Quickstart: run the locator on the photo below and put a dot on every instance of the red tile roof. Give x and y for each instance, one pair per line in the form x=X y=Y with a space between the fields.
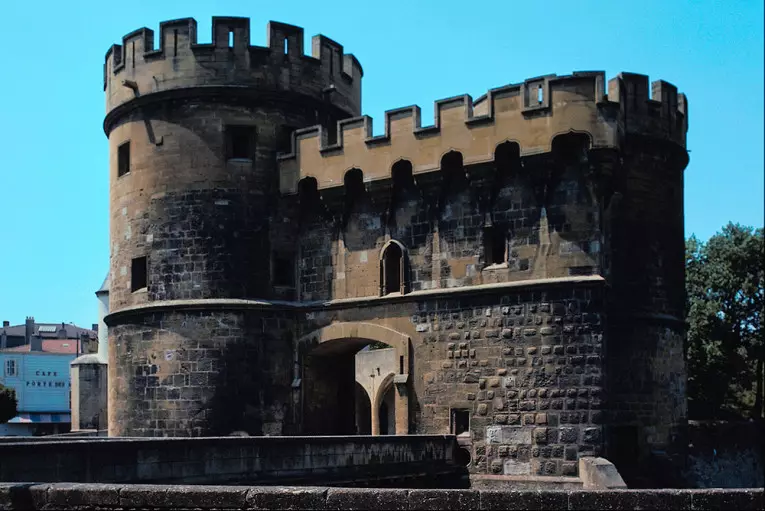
x=51 y=346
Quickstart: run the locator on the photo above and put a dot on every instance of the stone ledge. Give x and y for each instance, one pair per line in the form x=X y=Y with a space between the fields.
x=102 y=496
x=365 y=301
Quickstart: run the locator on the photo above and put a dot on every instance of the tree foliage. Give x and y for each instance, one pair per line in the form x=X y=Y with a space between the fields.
x=724 y=307
x=8 y=404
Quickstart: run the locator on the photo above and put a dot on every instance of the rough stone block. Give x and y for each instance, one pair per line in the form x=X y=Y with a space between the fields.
x=511 y=434
x=363 y=499
x=440 y=500
x=19 y=496
x=207 y=497
x=569 y=435
x=144 y=495
x=66 y=495
x=729 y=498
x=274 y=497
x=514 y=468
x=592 y=435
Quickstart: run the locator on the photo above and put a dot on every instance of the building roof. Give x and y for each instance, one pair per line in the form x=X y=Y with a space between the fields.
x=49 y=330
x=67 y=346
x=105 y=286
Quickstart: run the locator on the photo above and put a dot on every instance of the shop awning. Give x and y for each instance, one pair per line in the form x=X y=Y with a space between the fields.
x=41 y=418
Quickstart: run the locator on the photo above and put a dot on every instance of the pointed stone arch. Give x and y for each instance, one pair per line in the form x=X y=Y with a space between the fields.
x=342 y=338
x=394 y=268
x=358 y=330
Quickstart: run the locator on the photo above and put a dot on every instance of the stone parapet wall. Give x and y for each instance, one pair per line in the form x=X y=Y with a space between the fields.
x=349 y=461
x=89 y=496
x=136 y=68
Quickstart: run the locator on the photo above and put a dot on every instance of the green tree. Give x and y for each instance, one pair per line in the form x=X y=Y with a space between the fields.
x=8 y=404
x=726 y=345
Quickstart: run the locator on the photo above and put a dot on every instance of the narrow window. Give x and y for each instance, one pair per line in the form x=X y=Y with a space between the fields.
x=10 y=368
x=175 y=42
x=495 y=245
x=392 y=259
x=284 y=271
x=460 y=422
x=401 y=364
x=331 y=133
x=231 y=39
x=138 y=273
x=123 y=159
x=132 y=47
x=540 y=94
x=240 y=142
x=286 y=46
x=285 y=139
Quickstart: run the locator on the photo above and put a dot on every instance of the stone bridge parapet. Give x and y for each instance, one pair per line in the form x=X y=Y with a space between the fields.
x=102 y=496
x=346 y=460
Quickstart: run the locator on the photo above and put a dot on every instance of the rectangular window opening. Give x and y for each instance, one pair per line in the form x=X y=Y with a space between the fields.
x=231 y=39
x=240 y=142
x=10 y=368
x=175 y=42
x=540 y=94
x=138 y=274
x=460 y=421
x=285 y=139
x=123 y=159
x=401 y=364
x=286 y=46
x=332 y=133
x=284 y=270
x=495 y=245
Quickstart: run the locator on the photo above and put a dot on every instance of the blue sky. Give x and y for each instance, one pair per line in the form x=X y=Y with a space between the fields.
x=53 y=152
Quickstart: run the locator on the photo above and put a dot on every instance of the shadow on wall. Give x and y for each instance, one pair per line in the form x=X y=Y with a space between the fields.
x=725 y=455
x=236 y=403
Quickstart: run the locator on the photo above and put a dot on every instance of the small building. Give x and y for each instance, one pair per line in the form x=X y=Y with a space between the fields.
x=34 y=361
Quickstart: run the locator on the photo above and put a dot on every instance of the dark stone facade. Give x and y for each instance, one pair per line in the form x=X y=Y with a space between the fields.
x=523 y=256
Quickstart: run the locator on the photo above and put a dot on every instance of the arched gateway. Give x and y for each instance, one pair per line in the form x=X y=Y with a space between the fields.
x=328 y=377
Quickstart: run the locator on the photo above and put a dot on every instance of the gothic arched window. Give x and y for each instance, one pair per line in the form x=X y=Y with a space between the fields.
x=393 y=268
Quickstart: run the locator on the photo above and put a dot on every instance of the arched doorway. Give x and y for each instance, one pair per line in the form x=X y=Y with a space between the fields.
x=363 y=411
x=387 y=411
x=332 y=402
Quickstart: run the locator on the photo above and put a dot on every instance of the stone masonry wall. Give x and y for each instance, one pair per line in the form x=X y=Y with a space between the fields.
x=340 y=258
x=200 y=219
x=527 y=366
x=200 y=374
x=525 y=363
x=645 y=352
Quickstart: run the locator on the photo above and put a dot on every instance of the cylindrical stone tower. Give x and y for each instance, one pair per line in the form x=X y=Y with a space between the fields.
x=194 y=130
x=646 y=373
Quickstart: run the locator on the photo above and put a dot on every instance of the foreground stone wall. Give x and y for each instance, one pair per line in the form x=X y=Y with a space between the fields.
x=89 y=496
x=293 y=460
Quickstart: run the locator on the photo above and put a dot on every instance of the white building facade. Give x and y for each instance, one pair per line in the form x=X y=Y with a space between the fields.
x=42 y=384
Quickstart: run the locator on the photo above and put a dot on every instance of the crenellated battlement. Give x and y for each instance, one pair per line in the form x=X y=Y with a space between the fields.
x=531 y=114
x=138 y=68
